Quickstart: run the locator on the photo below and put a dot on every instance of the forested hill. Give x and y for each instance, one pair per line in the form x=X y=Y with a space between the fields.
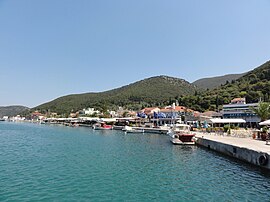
x=12 y=110
x=162 y=90
x=154 y=91
x=254 y=85
x=214 y=82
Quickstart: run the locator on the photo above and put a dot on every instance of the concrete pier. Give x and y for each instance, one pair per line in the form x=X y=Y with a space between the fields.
x=252 y=151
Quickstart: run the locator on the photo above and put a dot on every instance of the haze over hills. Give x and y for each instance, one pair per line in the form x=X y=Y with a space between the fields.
x=154 y=91
x=213 y=82
x=12 y=110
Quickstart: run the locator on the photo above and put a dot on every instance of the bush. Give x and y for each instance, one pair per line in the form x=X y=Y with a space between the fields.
x=226 y=128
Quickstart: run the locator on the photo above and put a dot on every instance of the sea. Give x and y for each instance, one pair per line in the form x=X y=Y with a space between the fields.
x=60 y=163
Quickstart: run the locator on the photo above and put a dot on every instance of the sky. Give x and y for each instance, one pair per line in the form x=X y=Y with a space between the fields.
x=51 y=48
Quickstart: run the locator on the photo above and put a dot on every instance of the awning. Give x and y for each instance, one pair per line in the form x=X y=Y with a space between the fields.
x=265 y=123
x=89 y=118
x=227 y=121
x=108 y=119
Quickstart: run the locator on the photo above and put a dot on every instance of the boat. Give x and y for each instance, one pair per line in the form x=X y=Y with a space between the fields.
x=129 y=129
x=183 y=139
x=102 y=126
x=180 y=134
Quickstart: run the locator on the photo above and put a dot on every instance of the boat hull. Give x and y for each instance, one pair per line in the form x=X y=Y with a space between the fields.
x=128 y=129
x=134 y=131
x=183 y=139
x=176 y=141
x=102 y=127
x=186 y=137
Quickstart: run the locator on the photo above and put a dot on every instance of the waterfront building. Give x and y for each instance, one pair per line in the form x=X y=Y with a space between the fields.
x=150 y=111
x=113 y=113
x=74 y=115
x=17 y=118
x=238 y=108
x=210 y=114
x=175 y=112
x=35 y=116
x=172 y=114
x=203 y=119
x=90 y=111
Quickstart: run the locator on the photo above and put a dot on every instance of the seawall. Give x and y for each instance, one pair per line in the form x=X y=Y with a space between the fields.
x=246 y=149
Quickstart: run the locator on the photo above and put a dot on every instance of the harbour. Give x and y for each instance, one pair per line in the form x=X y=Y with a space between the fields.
x=241 y=146
x=135 y=101
x=53 y=162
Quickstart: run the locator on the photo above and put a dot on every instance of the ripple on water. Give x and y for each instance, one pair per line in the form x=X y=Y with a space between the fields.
x=66 y=164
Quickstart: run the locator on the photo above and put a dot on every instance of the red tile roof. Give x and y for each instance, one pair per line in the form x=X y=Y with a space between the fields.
x=150 y=109
x=177 y=109
x=36 y=114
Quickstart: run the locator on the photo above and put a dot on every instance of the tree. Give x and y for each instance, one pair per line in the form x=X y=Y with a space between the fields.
x=125 y=114
x=263 y=110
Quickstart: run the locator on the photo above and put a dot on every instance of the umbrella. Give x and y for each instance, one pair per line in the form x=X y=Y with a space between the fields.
x=265 y=123
x=205 y=125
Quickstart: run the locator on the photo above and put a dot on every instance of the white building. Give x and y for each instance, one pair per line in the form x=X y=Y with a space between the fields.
x=90 y=111
x=240 y=110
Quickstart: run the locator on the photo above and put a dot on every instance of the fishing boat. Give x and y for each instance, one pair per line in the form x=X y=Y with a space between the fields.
x=180 y=134
x=102 y=126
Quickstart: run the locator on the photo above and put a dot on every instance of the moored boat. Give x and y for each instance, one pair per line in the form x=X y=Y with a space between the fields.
x=129 y=129
x=102 y=126
x=182 y=135
x=183 y=139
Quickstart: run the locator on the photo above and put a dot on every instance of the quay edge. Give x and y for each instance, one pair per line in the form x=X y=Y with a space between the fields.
x=255 y=157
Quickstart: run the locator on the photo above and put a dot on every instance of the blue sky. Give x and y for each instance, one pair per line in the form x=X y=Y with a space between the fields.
x=51 y=48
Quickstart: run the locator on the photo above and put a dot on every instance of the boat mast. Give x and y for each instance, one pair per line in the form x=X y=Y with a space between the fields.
x=173 y=113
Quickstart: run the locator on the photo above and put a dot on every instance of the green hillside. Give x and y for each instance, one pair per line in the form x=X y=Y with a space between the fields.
x=154 y=91
x=213 y=82
x=162 y=90
x=12 y=110
x=254 y=85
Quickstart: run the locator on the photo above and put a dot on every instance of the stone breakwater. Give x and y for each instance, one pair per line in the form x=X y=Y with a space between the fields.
x=249 y=150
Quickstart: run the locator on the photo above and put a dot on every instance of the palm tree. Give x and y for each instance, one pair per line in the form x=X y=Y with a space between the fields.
x=263 y=110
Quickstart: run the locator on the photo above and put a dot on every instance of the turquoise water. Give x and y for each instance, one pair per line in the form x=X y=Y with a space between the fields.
x=57 y=163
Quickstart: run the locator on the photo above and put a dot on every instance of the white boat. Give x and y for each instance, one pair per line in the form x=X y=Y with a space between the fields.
x=129 y=129
x=165 y=127
x=181 y=134
x=102 y=126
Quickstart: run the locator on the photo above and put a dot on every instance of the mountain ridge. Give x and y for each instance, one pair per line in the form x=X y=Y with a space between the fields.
x=163 y=90
x=216 y=81
x=254 y=86
x=155 y=90
x=12 y=110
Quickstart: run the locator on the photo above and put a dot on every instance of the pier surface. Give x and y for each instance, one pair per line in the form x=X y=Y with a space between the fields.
x=254 y=151
x=248 y=143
